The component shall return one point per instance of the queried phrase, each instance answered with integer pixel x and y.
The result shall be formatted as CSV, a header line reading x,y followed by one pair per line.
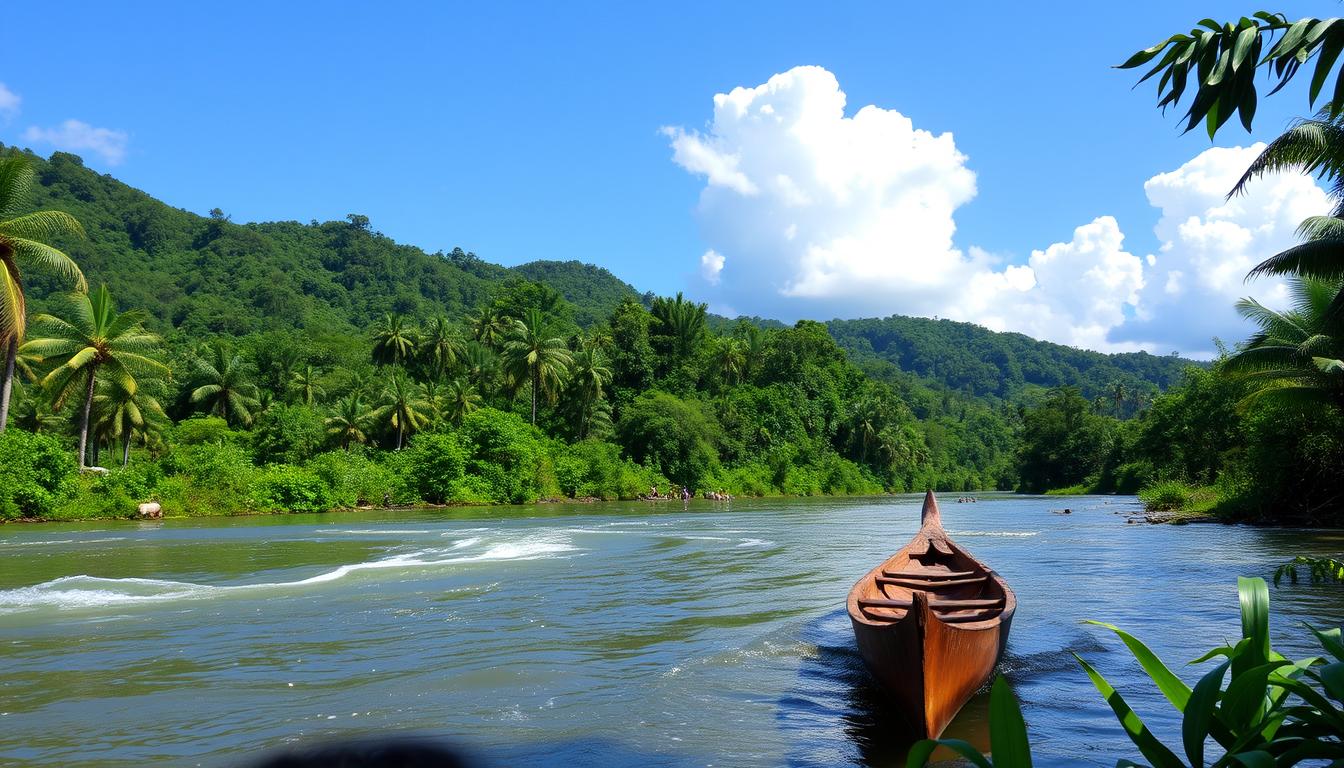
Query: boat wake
x,y
93,592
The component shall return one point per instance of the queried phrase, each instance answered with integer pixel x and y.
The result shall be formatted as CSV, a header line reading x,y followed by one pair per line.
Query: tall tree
x,y
93,339
347,423
460,400
489,326
441,346
531,353
404,410
681,323
221,383
125,412
305,383
394,341
23,243
589,376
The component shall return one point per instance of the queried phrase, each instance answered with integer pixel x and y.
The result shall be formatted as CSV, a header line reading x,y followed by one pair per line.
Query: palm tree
x,y
24,242
33,414
460,401
530,352
394,341
1118,395
489,326
94,340
347,424
304,383
728,359
753,349
221,385
441,347
1297,356
682,320
479,365
403,408
124,412
589,374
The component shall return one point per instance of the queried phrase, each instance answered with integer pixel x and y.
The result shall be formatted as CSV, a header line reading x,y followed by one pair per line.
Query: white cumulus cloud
x,y
79,136
1208,244
9,102
711,264
809,212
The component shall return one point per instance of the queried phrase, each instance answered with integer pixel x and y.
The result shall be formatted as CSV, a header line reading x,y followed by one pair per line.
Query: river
x,y
615,634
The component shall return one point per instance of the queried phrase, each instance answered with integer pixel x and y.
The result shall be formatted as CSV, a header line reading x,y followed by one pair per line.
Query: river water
x,y
619,634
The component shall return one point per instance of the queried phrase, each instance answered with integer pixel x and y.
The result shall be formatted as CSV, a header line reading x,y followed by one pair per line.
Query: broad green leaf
x,y
1332,679
1230,651
1256,759
1007,729
1331,641
1175,689
1254,596
1199,713
1246,695
1156,752
1291,38
1242,47
1324,63
1248,103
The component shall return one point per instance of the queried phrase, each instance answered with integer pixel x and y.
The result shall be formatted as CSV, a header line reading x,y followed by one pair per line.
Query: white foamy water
x,y
994,534
91,592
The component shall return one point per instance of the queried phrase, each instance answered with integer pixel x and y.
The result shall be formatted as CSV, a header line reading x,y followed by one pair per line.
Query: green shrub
x,y
204,429
434,464
288,434
1167,495
207,479
674,436
286,488
506,452
35,474
355,479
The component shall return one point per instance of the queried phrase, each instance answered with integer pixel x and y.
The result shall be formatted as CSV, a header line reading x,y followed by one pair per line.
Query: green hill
x,y
201,276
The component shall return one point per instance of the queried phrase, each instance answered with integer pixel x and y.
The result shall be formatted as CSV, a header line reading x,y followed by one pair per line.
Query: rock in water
x,y
151,509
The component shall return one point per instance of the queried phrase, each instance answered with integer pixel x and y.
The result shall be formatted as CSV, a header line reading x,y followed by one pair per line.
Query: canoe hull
x,y
930,669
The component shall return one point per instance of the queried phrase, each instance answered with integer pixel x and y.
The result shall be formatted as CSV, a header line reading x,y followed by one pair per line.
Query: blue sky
x,y
535,131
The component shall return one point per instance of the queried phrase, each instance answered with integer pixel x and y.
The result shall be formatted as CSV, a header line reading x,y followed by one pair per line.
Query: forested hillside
x,y
980,362
205,275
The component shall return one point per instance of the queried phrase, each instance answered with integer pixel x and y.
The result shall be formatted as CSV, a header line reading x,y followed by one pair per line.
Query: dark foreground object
x,y
368,754
931,622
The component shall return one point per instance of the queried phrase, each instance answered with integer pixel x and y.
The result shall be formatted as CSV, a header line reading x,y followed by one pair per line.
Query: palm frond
x,y
1323,259
48,258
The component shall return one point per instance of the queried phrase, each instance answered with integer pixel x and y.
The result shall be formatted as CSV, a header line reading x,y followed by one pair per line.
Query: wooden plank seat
x,y
961,617
925,584
928,574
937,605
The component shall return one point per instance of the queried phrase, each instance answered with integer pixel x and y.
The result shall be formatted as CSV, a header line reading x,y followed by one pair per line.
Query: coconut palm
x,y
93,340
489,326
221,384
460,400
404,409
1297,356
33,413
347,423
304,383
441,347
394,341
682,321
588,376
753,349
728,359
24,242
532,354
124,412
479,366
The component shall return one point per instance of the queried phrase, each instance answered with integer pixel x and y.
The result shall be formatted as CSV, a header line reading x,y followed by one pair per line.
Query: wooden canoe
x,y
931,623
